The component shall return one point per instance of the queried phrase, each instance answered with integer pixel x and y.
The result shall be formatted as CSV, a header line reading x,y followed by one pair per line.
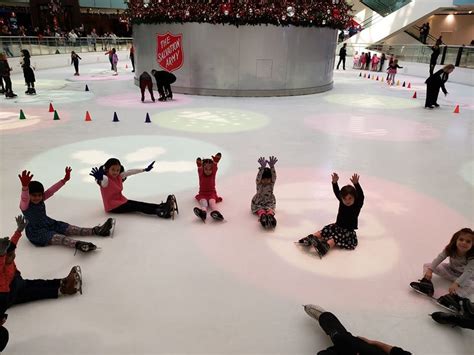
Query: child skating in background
x,y
459,270
15,290
207,196
75,60
5,75
28,72
342,233
392,72
110,178
43,230
114,61
264,202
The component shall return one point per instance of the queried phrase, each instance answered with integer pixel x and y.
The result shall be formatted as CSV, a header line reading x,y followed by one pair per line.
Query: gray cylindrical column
x,y
226,60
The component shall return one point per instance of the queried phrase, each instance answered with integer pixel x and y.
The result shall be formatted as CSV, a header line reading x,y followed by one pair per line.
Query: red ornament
x,y
336,14
226,9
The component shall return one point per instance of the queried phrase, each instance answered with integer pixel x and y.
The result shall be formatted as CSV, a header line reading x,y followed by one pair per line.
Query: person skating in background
x,y
264,202
146,82
43,230
75,60
342,57
28,73
5,76
435,83
132,57
164,80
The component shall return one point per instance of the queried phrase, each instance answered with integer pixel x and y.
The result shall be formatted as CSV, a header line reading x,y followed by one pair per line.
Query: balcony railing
x,y
460,56
12,45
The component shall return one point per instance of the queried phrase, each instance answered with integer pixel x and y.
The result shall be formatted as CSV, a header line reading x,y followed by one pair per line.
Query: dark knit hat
x,y
35,187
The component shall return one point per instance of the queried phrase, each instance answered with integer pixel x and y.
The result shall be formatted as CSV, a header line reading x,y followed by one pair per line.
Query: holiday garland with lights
x,y
307,13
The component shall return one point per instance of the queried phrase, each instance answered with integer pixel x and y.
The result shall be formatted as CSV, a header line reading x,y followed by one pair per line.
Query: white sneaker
x,y
313,311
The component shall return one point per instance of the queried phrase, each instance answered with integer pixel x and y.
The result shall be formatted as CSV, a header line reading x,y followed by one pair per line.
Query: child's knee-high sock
x,y
203,203
75,230
59,239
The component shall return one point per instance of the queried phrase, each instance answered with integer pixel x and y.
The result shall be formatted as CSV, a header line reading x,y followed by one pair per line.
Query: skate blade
x,y
112,230
78,278
422,293
452,310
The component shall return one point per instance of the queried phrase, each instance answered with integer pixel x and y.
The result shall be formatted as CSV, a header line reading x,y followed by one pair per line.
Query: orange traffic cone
x,y
456,110
398,82
414,95
51,108
88,117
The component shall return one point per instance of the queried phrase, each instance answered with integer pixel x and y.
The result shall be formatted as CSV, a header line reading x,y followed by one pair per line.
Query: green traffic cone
x,y
22,115
56,116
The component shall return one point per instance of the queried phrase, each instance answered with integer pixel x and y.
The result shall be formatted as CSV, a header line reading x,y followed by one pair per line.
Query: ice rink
x,y
185,287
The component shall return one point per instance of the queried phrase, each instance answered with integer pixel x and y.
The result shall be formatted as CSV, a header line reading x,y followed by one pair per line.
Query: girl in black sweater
x,y
342,233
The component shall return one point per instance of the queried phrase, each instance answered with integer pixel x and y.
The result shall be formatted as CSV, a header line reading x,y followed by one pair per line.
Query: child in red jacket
x,y
207,196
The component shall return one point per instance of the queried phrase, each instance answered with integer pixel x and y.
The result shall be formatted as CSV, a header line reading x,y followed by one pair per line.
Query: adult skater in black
x,y
28,72
145,82
164,80
434,58
5,75
342,57
436,82
75,60
344,342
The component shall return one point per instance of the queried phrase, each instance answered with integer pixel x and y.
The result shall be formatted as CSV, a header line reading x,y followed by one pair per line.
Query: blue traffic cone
x,y
115,117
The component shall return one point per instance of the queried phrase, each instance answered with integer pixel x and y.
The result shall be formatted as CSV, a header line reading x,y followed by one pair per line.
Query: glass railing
x,y
460,56
12,46
385,7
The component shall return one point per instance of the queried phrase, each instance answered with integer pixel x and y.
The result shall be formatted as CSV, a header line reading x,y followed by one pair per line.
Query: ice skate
x,y
169,96
217,216
72,283
106,229
264,221
313,311
305,241
200,213
10,95
272,221
451,302
85,247
162,98
321,246
2,91
424,286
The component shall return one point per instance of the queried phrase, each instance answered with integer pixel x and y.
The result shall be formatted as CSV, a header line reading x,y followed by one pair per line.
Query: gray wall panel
x,y
246,60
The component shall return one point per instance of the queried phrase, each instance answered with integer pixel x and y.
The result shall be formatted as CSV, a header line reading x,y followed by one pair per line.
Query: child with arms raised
x,y
264,202
342,233
43,230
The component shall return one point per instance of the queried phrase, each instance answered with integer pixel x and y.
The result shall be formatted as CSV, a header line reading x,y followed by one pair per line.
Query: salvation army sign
x,y
169,51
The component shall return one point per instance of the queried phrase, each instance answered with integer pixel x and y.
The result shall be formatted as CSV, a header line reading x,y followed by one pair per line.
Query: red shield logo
x,y
169,51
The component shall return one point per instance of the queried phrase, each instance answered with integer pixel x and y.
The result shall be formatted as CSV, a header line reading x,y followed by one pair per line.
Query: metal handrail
x,y
12,45
460,56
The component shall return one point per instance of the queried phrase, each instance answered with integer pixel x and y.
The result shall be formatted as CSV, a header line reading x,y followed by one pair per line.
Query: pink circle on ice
x,y
132,99
363,126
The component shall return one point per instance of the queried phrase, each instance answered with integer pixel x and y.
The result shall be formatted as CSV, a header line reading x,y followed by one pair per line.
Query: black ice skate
x,y
424,286
10,95
217,216
305,241
85,247
105,230
450,302
172,206
169,96
264,221
162,98
321,246
2,91
33,91
272,221
200,213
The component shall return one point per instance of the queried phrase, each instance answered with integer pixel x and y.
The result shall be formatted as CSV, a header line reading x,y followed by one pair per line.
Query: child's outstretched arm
x,y
21,223
436,261
25,179
335,186
131,172
263,163
216,158
360,193
467,275
99,175
271,163
53,189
